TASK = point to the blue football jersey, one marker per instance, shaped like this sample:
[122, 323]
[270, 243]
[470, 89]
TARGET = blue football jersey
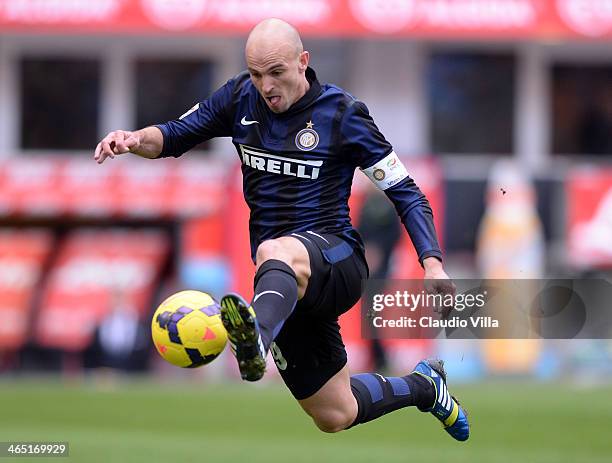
[298, 165]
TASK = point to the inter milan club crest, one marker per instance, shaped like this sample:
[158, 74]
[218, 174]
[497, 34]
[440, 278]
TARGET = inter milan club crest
[379, 174]
[307, 139]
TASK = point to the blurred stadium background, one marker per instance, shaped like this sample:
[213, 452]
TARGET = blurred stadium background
[502, 112]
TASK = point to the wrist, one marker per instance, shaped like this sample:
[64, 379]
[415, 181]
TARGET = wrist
[432, 263]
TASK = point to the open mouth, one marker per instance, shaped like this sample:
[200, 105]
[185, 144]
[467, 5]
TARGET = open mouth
[273, 100]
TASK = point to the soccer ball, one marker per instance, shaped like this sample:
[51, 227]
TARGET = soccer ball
[187, 329]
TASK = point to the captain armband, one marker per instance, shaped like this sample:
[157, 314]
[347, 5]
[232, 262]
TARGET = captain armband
[387, 172]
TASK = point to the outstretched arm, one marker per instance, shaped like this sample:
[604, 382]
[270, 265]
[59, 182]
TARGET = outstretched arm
[147, 143]
[205, 120]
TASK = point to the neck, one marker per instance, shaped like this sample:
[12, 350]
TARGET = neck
[303, 88]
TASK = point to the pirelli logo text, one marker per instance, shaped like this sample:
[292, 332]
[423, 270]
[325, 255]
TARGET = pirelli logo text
[274, 164]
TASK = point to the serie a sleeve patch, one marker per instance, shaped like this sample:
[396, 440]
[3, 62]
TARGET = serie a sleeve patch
[387, 172]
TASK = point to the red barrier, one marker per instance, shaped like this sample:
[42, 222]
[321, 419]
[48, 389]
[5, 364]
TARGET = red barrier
[96, 271]
[22, 257]
[55, 187]
[237, 238]
[475, 19]
[589, 217]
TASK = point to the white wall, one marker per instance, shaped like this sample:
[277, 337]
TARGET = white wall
[389, 76]
[117, 86]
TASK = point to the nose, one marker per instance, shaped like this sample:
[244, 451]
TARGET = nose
[267, 85]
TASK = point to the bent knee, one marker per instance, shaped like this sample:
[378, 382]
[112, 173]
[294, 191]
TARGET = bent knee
[333, 420]
[291, 252]
[273, 249]
[288, 250]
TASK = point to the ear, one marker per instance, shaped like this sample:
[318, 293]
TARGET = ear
[303, 61]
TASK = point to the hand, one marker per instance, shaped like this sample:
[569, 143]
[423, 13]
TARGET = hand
[438, 282]
[117, 142]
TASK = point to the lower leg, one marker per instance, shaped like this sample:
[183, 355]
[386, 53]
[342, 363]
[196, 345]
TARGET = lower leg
[346, 401]
[377, 395]
[283, 270]
[275, 298]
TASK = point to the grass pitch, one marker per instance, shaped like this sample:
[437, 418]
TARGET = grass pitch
[142, 421]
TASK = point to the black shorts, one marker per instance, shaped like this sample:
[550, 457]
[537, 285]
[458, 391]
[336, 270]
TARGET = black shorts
[309, 350]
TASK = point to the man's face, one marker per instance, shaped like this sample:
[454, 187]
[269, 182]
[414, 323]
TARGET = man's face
[278, 75]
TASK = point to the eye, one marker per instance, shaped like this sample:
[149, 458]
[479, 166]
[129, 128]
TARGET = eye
[255, 75]
[277, 72]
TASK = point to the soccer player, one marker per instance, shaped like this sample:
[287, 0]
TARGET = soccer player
[300, 142]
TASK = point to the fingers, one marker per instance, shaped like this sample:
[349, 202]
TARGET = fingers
[102, 152]
[98, 156]
[117, 142]
[444, 286]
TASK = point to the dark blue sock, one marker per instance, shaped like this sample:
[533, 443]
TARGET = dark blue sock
[275, 298]
[378, 395]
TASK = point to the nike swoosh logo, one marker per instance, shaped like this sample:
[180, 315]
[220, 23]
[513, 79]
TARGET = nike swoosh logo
[245, 122]
[257, 296]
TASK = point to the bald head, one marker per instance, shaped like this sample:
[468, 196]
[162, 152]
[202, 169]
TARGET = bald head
[277, 63]
[274, 32]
